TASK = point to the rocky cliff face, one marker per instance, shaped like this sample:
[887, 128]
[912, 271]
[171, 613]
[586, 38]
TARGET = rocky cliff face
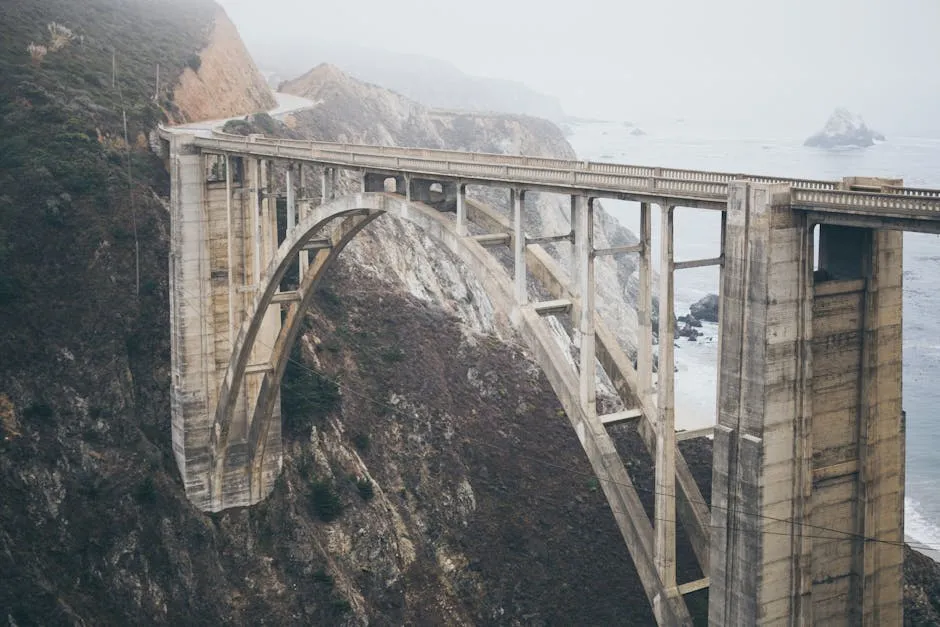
[351, 111]
[221, 80]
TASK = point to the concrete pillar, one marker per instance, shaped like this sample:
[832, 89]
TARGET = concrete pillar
[644, 309]
[327, 181]
[257, 225]
[584, 245]
[291, 200]
[575, 276]
[664, 540]
[882, 434]
[764, 399]
[230, 253]
[517, 200]
[857, 442]
[461, 209]
[304, 257]
[216, 234]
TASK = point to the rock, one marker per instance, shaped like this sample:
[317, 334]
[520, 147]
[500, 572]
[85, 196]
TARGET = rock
[637, 132]
[844, 130]
[705, 309]
[688, 331]
[690, 320]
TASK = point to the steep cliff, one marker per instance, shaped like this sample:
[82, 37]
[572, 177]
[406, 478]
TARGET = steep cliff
[221, 80]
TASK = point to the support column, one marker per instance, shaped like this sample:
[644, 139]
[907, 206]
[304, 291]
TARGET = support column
[229, 242]
[882, 435]
[257, 225]
[517, 197]
[575, 276]
[764, 398]
[664, 544]
[327, 183]
[291, 201]
[304, 262]
[584, 247]
[461, 209]
[644, 309]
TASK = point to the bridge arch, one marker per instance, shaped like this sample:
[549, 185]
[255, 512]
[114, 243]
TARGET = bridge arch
[343, 218]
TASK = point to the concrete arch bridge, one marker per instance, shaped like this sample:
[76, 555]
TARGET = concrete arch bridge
[809, 433]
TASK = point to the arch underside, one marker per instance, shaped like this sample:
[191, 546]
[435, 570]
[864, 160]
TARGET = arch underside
[240, 465]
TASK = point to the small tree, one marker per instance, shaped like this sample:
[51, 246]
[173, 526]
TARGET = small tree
[59, 35]
[37, 52]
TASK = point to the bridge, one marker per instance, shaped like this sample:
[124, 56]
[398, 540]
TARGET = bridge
[805, 522]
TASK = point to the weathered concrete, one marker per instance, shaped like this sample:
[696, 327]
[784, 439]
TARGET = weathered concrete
[807, 516]
[665, 454]
[214, 265]
[808, 480]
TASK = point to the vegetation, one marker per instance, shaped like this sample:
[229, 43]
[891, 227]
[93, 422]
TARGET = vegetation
[325, 501]
[73, 192]
[365, 487]
[306, 396]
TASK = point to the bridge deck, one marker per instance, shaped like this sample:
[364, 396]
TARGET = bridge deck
[893, 207]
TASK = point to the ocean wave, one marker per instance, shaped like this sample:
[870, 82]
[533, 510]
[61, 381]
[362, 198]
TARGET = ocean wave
[922, 532]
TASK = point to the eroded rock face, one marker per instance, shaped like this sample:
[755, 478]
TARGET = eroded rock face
[844, 129]
[222, 80]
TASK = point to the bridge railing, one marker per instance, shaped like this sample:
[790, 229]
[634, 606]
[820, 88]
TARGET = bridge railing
[550, 163]
[917, 205]
[707, 187]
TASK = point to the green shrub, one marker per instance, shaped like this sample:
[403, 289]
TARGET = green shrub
[361, 440]
[366, 489]
[194, 62]
[306, 395]
[321, 576]
[325, 501]
[146, 491]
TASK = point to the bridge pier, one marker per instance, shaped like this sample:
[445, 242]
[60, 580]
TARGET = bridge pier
[223, 231]
[664, 525]
[808, 481]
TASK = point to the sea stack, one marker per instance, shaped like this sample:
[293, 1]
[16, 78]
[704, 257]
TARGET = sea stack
[844, 129]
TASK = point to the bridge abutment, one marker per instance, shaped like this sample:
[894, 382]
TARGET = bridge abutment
[807, 495]
[224, 229]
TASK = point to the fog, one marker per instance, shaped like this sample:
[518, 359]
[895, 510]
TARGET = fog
[775, 64]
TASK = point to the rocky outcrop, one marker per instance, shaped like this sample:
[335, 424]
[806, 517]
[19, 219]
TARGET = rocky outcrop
[221, 80]
[705, 308]
[844, 129]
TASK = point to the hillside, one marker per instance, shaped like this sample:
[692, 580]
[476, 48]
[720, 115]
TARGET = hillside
[430, 476]
[432, 82]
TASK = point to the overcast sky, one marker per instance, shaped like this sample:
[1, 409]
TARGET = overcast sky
[794, 60]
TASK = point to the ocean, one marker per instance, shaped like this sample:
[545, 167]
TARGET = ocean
[687, 144]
